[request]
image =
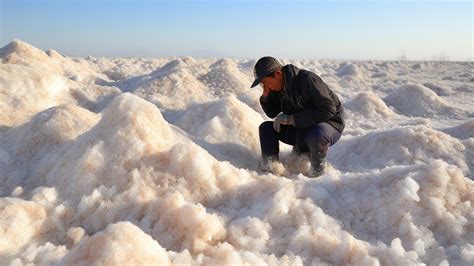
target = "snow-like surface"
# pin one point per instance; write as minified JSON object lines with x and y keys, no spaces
{"x":155,"y":161}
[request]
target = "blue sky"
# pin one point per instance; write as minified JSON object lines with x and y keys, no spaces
{"x":333,"y":29}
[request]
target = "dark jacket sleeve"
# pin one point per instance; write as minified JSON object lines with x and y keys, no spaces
{"x":271,"y":105}
{"x":322,"y":108}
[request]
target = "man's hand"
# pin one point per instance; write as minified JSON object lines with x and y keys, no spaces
{"x":283,"y":119}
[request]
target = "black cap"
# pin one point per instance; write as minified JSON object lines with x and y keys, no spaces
{"x":264,"y":67}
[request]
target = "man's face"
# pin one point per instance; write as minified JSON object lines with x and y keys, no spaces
{"x":273,"y":83}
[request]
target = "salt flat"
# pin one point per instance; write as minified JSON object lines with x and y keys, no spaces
{"x":155,"y":161}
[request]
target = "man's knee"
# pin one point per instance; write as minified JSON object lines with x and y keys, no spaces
{"x":318,"y":135}
{"x":266,"y":126}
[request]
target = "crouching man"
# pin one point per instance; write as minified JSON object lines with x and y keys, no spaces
{"x":307,"y":114}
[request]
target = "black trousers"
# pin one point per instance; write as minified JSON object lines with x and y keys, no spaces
{"x":315,"y":140}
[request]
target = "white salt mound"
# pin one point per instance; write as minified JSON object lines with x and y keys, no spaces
{"x":225,"y":77}
{"x":369,"y":105}
{"x":347,"y":69}
{"x":417,"y":100}
{"x":47,"y":80}
{"x":171,"y":87}
{"x":462,"y":131}
{"x":165,"y":169}
{"x":228,"y":123}
{"x":24,"y":54}
{"x":400,"y":146}
{"x":115,"y":245}
{"x":440,"y":89}
{"x":20,"y":99}
{"x":130,"y":127}
{"x":49,"y":134}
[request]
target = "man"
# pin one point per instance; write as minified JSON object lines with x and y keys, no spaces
{"x":308,"y":115}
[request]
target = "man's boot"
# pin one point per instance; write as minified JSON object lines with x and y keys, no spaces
{"x":318,"y":160}
{"x":296,"y":150}
{"x":266,"y":163}
{"x":317,"y":168}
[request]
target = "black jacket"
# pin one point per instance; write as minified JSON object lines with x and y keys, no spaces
{"x":307,"y":97}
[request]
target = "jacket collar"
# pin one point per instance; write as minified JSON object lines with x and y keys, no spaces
{"x":289,"y":73}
